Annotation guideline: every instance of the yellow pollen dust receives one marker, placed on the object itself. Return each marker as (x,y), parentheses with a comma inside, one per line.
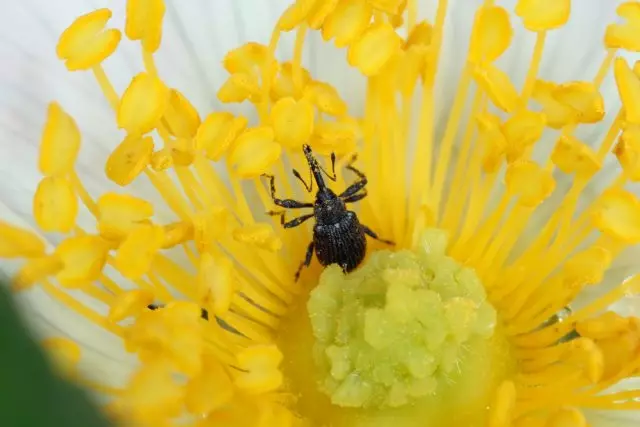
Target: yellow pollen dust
(209,304)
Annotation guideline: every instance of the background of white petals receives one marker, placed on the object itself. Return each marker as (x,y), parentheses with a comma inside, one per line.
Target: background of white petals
(197,33)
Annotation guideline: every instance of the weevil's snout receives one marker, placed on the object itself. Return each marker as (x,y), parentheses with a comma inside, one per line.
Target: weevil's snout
(306,149)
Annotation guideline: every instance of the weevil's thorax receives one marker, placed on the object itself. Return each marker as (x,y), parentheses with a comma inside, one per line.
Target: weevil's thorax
(328,207)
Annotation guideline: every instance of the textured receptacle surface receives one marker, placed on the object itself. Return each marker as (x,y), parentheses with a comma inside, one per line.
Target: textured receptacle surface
(388,333)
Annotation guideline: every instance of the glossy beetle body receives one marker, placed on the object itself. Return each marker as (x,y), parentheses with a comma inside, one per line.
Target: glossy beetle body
(338,236)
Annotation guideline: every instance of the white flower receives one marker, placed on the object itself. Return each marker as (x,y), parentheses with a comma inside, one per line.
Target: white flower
(196,36)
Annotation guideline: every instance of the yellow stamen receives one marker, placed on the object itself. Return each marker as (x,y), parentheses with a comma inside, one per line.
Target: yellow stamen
(228,337)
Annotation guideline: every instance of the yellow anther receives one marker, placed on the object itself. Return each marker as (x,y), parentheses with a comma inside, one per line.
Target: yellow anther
(494,141)
(55,205)
(60,142)
(627,34)
(66,354)
(629,90)
(217,132)
(182,152)
(211,389)
(210,226)
(498,86)
(292,122)
(571,155)
(172,334)
(503,405)
(161,160)
(137,251)
(35,270)
(587,267)
(283,85)
(239,87)
(617,214)
(19,243)
(152,394)
(86,43)
(543,15)
(319,12)
(491,34)
(531,183)
(627,150)
(392,7)
(347,22)
(620,350)
(326,98)
(567,417)
(374,48)
(120,214)
(177,233)
(338,137)
(83,258)
(409,66)
(260,234)
(607,325)
(217,282)
(584,98)
(183,311)
(254,152)
(522,130)
(588,357)
(129,159)
(420,36)
(245,59)
(396,21)
(142,104)
(261,363)
(130,304)
(295,14)
(558,114)
(185,343)
(144,22)
(181,116)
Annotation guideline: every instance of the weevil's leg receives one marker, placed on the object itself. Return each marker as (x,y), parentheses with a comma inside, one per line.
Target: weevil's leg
(353,189)
(306,262)
(309,187)
(369,232)
(297,221)
(355,197)
(285,203)
(353,169)
(356,186)
(290,224)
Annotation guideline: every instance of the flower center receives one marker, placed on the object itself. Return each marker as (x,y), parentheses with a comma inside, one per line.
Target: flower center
(406,336)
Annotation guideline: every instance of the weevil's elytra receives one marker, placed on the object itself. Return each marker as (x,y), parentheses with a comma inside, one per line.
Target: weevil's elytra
(338,236)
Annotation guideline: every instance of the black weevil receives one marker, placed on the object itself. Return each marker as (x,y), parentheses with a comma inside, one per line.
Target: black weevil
(338,236)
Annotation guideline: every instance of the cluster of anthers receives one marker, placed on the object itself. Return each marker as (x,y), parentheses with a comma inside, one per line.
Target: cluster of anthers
(211,334)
